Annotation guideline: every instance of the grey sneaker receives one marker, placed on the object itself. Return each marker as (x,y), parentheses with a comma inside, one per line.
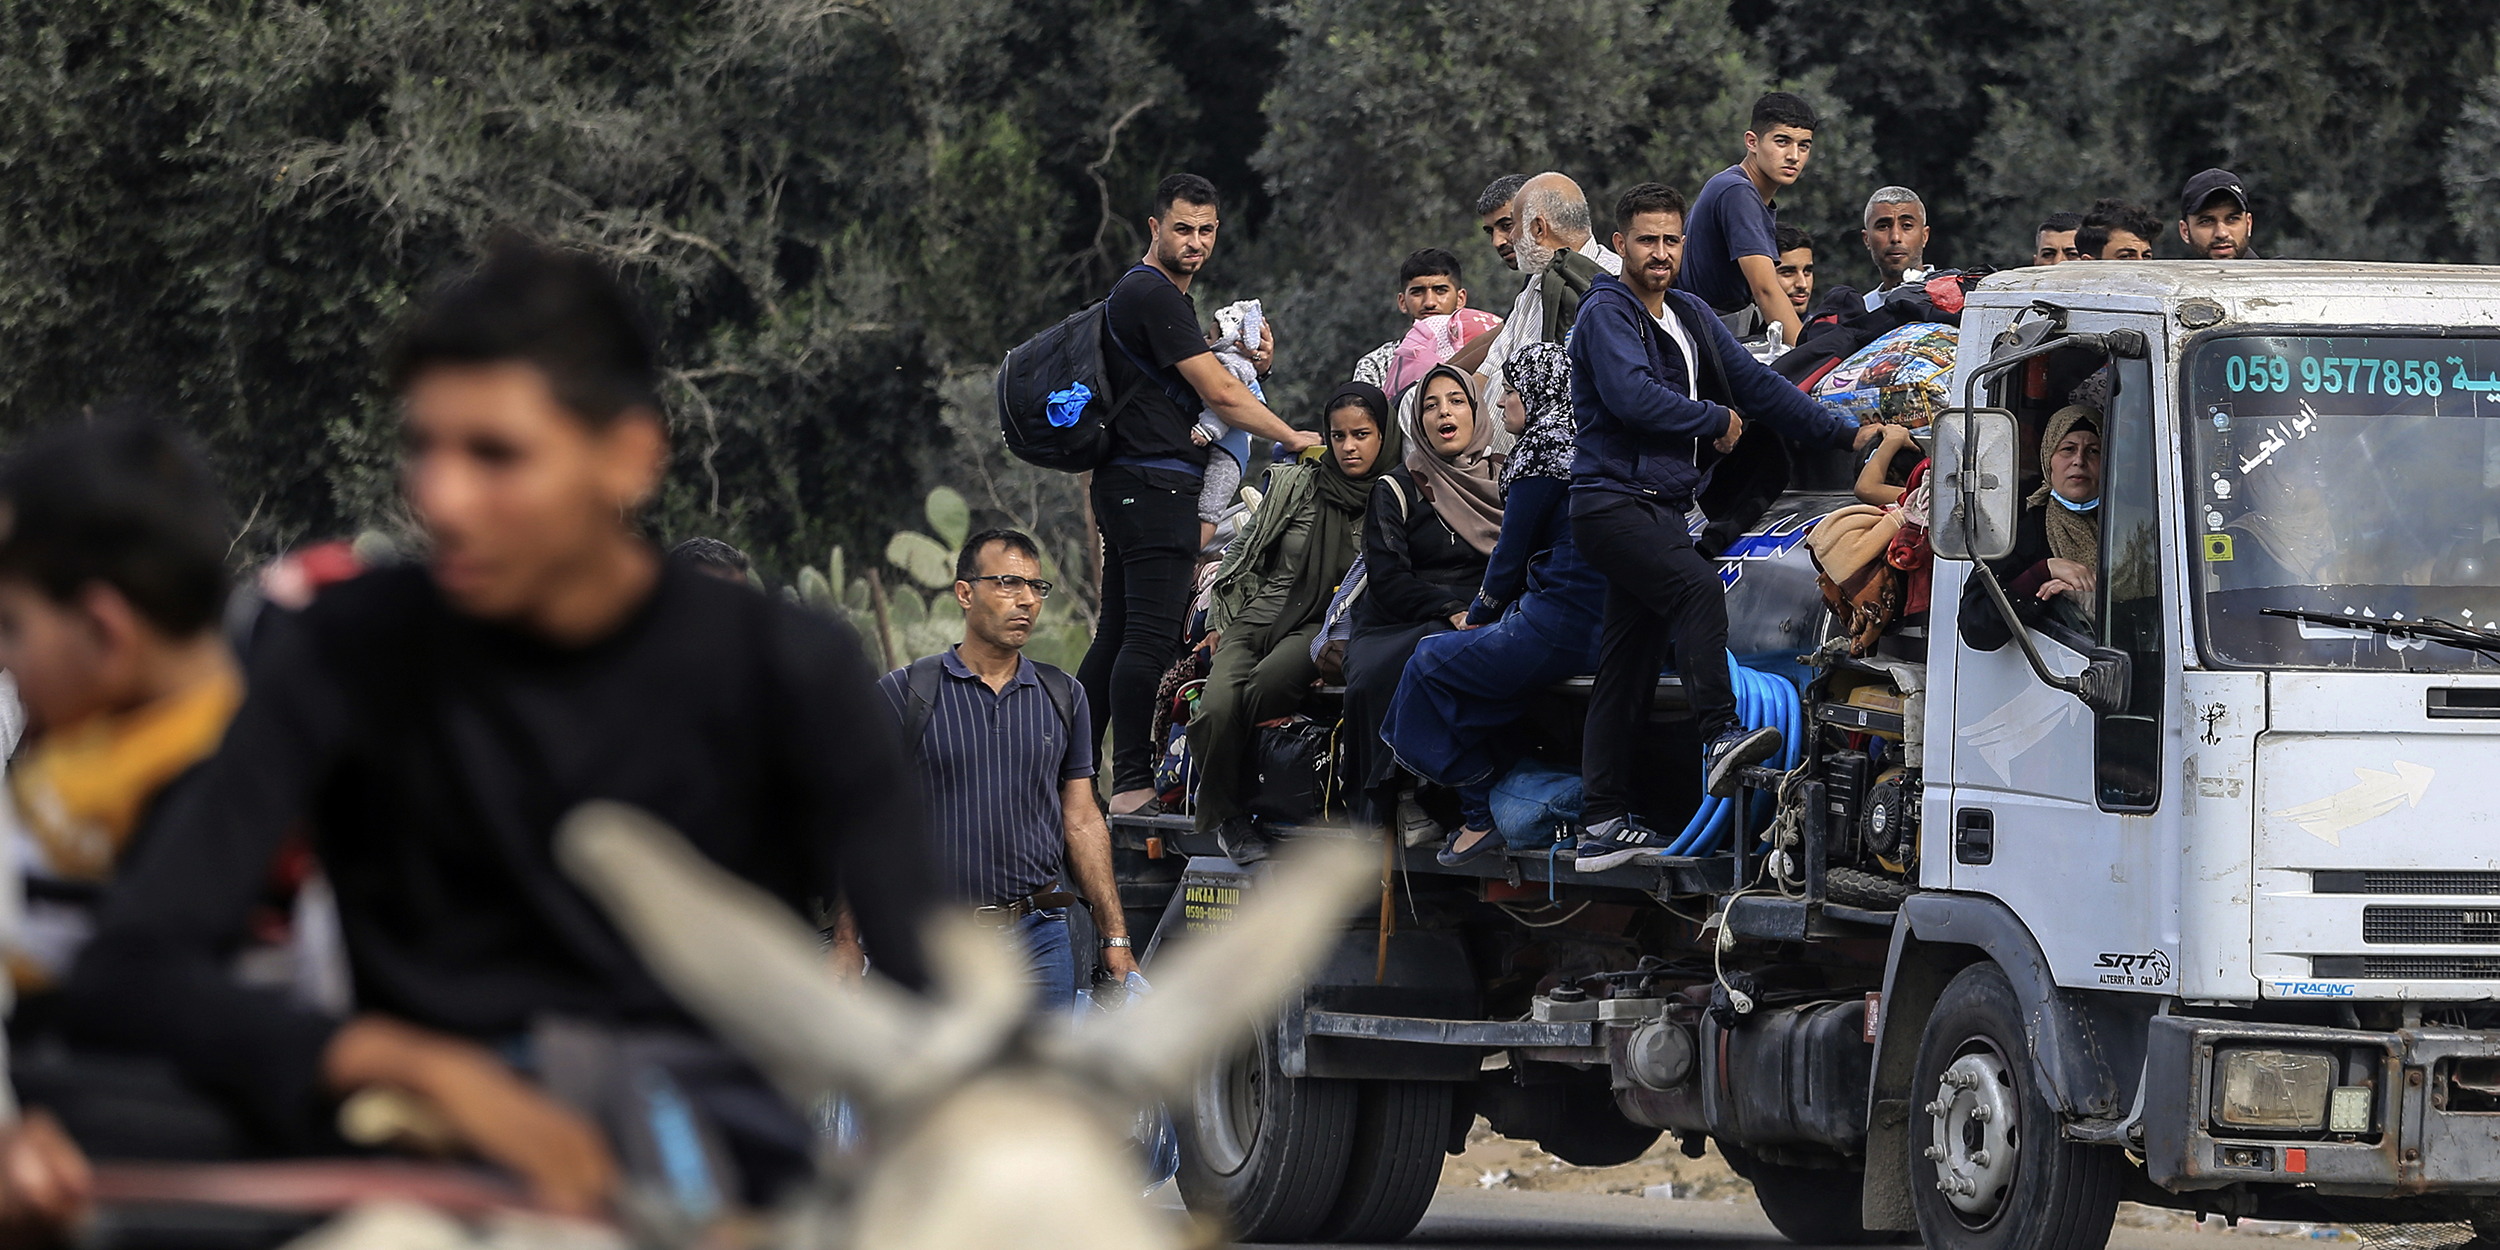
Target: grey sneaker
(1611,843)
(1731,752)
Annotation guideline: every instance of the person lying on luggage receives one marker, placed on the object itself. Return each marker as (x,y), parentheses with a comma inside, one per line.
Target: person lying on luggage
(433,723)
(1538,610)
(1006,754)
(1430,528)
(2054,568)
(1271,597)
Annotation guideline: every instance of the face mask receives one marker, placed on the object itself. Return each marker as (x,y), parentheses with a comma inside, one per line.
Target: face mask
(2090,505)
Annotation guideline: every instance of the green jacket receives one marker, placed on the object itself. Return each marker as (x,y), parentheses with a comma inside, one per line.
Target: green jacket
(1251,557)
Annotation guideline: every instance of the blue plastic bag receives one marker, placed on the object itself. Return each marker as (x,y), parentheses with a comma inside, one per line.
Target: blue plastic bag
(1535,805)
(1066,405)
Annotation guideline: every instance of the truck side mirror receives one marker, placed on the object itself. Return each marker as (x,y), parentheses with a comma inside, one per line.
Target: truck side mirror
(1973,482)
(2107,675)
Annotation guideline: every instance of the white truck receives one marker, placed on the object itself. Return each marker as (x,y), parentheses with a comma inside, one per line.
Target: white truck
(2196,906)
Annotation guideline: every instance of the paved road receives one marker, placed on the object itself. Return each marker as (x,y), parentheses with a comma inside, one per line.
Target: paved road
(1516,1220)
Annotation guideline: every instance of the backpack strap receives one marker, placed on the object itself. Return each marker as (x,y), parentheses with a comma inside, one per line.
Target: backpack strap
(920,682)
(1062,691)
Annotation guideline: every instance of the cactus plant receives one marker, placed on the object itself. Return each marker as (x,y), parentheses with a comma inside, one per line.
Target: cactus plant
(919,623)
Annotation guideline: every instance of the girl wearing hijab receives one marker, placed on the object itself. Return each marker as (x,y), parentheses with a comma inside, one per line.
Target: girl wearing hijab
(2054,570)
(1432,523)
(1270,595)
(1541,608)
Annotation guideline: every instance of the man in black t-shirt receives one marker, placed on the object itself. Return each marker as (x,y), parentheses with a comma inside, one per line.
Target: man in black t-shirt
(1145,495)
(431,724)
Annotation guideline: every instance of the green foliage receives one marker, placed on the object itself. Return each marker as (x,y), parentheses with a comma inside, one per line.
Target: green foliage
(1389,117)
(842,214)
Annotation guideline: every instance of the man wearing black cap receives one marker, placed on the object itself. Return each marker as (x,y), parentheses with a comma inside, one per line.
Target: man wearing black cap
(2214,220)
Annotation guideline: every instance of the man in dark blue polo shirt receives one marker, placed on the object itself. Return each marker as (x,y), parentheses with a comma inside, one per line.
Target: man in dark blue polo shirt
(1730,249)
(1006,755)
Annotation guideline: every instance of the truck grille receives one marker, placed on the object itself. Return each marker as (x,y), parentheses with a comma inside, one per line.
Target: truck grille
(2403,881)
(2405,967)
(2475,925)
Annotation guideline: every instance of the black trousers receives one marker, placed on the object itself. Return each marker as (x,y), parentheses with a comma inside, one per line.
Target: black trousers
(1149,529)
(1660,594)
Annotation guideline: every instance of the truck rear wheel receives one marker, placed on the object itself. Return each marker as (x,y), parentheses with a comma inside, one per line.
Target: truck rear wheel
(1810,1206)
(1262,1151)
(1989,1169)
(1401,1132)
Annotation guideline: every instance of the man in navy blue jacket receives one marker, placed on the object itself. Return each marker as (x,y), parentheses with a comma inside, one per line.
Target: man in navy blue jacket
(1657,388)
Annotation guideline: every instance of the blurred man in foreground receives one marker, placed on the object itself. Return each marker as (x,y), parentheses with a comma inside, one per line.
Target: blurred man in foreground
(432,724)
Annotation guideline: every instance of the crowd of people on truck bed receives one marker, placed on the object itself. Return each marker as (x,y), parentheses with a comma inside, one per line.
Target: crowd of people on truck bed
(1489,505)
(293,846)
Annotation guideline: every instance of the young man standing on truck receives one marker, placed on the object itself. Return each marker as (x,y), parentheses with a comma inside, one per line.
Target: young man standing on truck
(2214,220)
(430,724)
(1657,383)
(1145,496)
(1428,285)
(1731,250)
(1796,269)
(2114,229)
(2054,242)
(1007,769)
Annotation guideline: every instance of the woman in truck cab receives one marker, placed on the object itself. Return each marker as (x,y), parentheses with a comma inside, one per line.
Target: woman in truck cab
(1430,528)
(1270,594)
(2055,565)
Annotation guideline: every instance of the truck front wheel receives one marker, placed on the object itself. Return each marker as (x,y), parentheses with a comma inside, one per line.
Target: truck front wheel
(1989,1169)
(1264,1152)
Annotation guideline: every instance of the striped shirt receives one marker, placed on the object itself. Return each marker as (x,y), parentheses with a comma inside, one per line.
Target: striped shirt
(991,764)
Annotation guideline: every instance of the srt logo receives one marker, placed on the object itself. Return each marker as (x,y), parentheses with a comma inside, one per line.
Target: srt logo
(2149,968)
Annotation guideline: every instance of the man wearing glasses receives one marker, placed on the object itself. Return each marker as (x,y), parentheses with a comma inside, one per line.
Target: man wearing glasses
(1007,769)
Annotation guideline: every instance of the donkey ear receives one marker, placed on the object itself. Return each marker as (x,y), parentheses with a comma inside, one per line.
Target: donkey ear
(1211,991)
(737,958)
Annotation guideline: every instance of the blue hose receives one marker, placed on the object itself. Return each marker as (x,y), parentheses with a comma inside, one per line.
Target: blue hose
(1761,699)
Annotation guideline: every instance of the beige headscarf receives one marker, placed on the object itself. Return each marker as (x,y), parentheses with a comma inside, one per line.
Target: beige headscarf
(1465,489)
(2073,535)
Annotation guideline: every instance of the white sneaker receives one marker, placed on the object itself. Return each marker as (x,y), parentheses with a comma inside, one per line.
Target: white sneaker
(1414,827)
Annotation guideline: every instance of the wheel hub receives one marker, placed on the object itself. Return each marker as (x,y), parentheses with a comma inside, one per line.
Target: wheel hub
(1228,1110)
(1972,1126)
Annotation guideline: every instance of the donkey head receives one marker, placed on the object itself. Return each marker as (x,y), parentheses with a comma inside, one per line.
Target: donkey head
(988,1127)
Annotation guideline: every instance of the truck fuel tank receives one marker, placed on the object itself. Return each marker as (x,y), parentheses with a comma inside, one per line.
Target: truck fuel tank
(1789,1076)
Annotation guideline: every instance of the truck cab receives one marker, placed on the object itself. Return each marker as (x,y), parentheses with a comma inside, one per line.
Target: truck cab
(2185,892)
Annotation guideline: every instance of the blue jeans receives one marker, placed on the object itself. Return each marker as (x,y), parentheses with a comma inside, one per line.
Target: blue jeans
(1045,938)
(1454,718)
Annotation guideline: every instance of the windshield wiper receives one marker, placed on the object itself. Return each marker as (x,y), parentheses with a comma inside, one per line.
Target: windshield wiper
(2429,629)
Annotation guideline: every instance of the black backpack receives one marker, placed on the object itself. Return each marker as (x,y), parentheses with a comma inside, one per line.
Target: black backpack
(1055,405)
(920,682)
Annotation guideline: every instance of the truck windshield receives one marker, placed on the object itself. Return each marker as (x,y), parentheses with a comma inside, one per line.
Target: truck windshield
(2344,475)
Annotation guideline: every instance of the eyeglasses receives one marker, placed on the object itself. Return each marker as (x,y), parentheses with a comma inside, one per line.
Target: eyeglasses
(1015,585)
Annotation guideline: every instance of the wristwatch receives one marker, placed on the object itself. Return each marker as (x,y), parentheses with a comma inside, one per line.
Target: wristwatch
(1108,943)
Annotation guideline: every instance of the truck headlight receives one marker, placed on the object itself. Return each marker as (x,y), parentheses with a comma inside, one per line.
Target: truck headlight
(2277,1090)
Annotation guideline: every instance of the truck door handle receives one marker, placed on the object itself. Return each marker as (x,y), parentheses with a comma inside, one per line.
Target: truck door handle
(1974,835)
(2462,703)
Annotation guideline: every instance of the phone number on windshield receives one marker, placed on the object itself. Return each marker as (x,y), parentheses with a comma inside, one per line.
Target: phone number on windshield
(2336,375)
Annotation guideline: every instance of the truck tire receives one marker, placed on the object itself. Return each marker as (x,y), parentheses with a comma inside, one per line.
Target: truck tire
(1988,1167)
(1401,1132)
(1811,1206)
(1262,1152)
(1851,888)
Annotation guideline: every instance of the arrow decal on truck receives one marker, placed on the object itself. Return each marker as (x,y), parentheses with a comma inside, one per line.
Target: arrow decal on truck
(2378,794)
